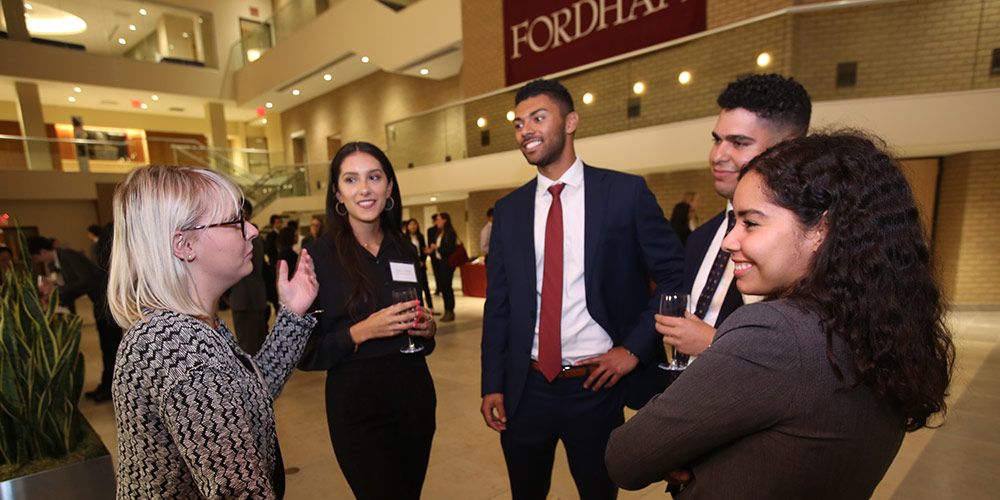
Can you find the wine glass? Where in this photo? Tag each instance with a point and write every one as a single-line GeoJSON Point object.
{"type": "Point", "coordinates": [674, 304]}
{"type": "Point", "coordinates": [407, 295]}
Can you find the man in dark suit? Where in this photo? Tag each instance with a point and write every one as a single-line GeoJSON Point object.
{"type": "Point", "coordinates": [569, 314]}
{"type": "Point", "coordinates": [758, 111]}
{"type": "Point", "coordinates": [432, 235]}
{"type": "Point", "coordinates": [248, 298]}
{"type": "Point", "coordinates": [78, 275]}
{"type": "Point", "coordinates": [271, 260]}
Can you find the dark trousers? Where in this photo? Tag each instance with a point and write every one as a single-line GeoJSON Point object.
{"type": "Point", "coordinates": [425, 286]}
{"type": "Point", "coordinates": [563, 410]}
{"type": "Point", "coordinates": [436, 269]}
{"type": "Point", "coordinates": [109, 335]}
{"type": "Point", "coordinates": [447, 293]}
{"type": "Point", "coordinates": [381, 417]}
{"type": "Point", "coordinates": [251, 329]}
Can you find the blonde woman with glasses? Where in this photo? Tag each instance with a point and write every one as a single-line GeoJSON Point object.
{"type": "Point", "coordinates": [194, 412]}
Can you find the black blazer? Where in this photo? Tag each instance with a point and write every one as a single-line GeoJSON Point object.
{"type": "Point", "coordinates": [627, 243]}
{"type": "Point", "coordinates": [422, 243]}
{"type": "Point", "coordinates": [81, 277]}
{"type": "Point", "coordinates": [696, 249]}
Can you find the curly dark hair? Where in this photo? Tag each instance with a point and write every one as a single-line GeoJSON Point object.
{"type": "Point", "coordinates": [782, 101]}
{"type": "Point", "coordinates": [341, 236]}
{"type": "Point", "coordinates": [871, 280]}
{"type": "Point", "coordinates": [551, 88]}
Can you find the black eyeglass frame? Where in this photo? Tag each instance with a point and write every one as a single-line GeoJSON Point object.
{"type": "Point", "coordinates": [242, 221]}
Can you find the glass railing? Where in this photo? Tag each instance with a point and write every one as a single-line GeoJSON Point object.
{"type": "Point", "coordinates": [143, 31]}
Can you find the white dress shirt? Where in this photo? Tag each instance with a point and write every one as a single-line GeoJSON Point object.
{"type": "Point", "coordinates": [727, 277]}
{"type": "Point", "coordinates": [484, 238]}
{"type": "Point", "coordinates": [581, 336]}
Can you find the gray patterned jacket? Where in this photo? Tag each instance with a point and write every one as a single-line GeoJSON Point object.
{"type": "Point", "coordinates": [194, 412]}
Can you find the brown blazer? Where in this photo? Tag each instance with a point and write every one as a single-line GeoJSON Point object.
{"type": "Point", "coordinates": [761, 415]}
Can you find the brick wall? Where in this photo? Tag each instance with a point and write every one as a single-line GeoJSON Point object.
{"type": "Point", "coordinates": [482, 47]}
{"type": "Point", "coordinates": [476, 206]}
{"type": "Point", "coordinates": [669, 188]}
{"type": "Point", "coordinates": [965, 238]}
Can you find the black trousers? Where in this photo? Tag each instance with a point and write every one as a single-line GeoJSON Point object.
{"type": "Point", "coordinates": [109, 335]}
{"type": "Point", "coordinates": [381, 418]}
{"type": "Point", "coordinates": [425, 286]}
{"type": "Point", "coordinates": [447, 292]}
{"type": "Point", "coordinates": [563, 410]}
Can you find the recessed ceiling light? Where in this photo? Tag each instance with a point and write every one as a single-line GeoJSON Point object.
{"type": "Point", "coordinates": [263, 121]}
{"type": "Point", "coordinates": [434, 198]}
{"type": "Point", "coordinates": [588, 98]}
{"type": "Point", "coordinates": [144, 106]}
{"type": "Point", "coordinates": [142, 12]}
{"type": "Point", "coordinates": [424, 71]}
{"type": "Point", "coordinates": [763, 59]}
{"type": "Point", "coordinates": [481, 122]}
{"type": "Point", "coordinates": [684, 77]}
{"type": "Point", "coordinates": [71, 99]}
{"type": "Point", "coordinates": [154, 97]}
{"type": "Point", "coordinates": [185, 34]}
{"type": "Point", "coordinates": [131, 27]}
{"type": "Point", "coordinates": [268, 104]}
{"type": "Point", "coordinates": [77, 90]}
{"type": "Point", "coordinates": [365, 59]}
{"type": "Point", "coordinates": [328, 77]}
{"type": "Point", "coordinates": [638, 88]}
{"type": "Point", "coordinates": [296, 92]}
{"type": "Point", "coordinates": [510, 116]}
{"type": "Point", "coordinates": [253, 55]}
{"type": "Point", "coordinates": [121, 41]}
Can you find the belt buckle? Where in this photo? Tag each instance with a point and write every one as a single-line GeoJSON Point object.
{"type": "Point", "coordinates": [566, 368]}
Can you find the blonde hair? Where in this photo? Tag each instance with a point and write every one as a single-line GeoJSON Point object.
{"type": "Point", "coordinates": [150, 206]}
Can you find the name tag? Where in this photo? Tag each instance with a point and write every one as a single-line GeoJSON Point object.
{"type": "Point", "coordinates": [403, 272]}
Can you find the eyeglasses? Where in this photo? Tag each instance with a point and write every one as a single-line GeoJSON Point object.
{"type": "Point", "coordinates": [241, 221]}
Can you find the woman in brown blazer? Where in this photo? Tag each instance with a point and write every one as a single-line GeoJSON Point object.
{"type": "Point", "coordinates": [809, 394]}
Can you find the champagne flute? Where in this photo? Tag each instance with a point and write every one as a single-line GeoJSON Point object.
{"type": "Point", "coordinates": [407, 295]}
{"type": "Point", "coordinates": [674, 304]}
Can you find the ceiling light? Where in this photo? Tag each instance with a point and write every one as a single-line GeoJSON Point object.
{"type": "Point", "coordinates": [638, 88]}
{"type": "Point", "coordinates": [434, 198]}
{"type": "Point", "coordinates": [510, 116]}
{"type": "Point", "coordinates": [253, 55]}
{"type": "Point", "coordinates": [185, 34]}
{"type": "Point", "coordinates": [121, 41]}
{"type": "Point", "coordinates": [424, 71]}
{"type": "Point", "coordinates": [71, 99]}
{"type": "Point", "coordinates": [588, 98]}
{"type": "Point", "coordinates": [45, 20]}
{"type": "Point", "coordinates": [131, 27]}
{"type": "Point", "coordinates": [154, 97]}
{"type": "Point", "coordinates": [269, 105]}
{"type": "Point", "coordinates": [296, 92]}
{"type": "Point", "coordinates": [684, 77]}
{"type": "Point", "coordinates": [481, 122]}
{"type": "Point", "coordinates": [365, 59]}
{"type": "Point", "coordinates": [77, 90]}
{"type": "Point", "coordinates": [763, 59]}
{"type": "Point", "coordinates": [142, 12]}
{"type": "Point", "coordinates": [263, 121]}
{"type": "Point", "coordinates": [144, 106]}
{"type": "Point", "coordinates": [27, 6]}
{"type": "Point", "coordinates": [327, 77]}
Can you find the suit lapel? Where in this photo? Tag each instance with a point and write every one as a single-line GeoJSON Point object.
{"type": "Point", "coordinates": [524, 229]}
{"type": "Point", "coordinates": [595, 194]}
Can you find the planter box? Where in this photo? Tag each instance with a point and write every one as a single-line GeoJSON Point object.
{"type": "Point", "coordinates": [92, 479]}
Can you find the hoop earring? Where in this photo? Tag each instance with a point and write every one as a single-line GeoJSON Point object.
{"type": "Point", "coordinates": [337, 207]}
{"type": "Point", "coordinates": [389, 205]}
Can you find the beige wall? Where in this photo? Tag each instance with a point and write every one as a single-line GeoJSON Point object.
{"type": "Point", "coordinates": [65, 220]}
{"type": "Point", "coordinates": [965, 239]}
{"type": "Point", "coordinates": [476, 205]}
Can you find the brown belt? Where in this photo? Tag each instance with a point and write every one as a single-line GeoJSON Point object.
{"type": "Point", "coordinates": [567, 371]}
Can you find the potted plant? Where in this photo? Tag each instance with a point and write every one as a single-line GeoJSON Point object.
{"type": "Point", "coordinates": [47, 449]}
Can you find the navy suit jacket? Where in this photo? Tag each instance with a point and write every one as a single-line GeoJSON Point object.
{"type": "Point", "coordinates": [697, 248]}
{"type": "Point", "coordinates": [627, 242]}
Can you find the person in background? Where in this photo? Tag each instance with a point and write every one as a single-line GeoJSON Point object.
{"type": "Point", "coordinates": [248, 297]}
{"type": "Point", "coordinates": [441, 249]}
{"type": "Point", "coordinates": [194, 412]}
{"type": "Point", "coordinates": [276, 223]}
{"type": "Point", "coordinates": [315, 230]}
{"type": "Point", "coordinates": [77, 276]}
{"type": "Point", "coordinates": [809, 393]}
{"type": "Point", "coordinates": [432, 234]}
{"type": "Point", "coordinates": [684, 217]}
{"type": "Point", "coordinates": [288, 237]}
{"type": "Point", "coordinates": [412, 233]}
{"type": "Point", "coordinates": [6, 258]}
{"type": "Point", "coordinates": [484, 234]}
{"type": "Point", "coordinates": [380, 402]}
{"type": "Point", "coordinates": [94, 235]}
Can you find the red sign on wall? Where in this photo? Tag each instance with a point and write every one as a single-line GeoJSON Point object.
{"type": "Point", "coordinates": [547, 36]}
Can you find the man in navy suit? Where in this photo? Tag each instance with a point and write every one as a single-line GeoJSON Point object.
{"type": "Point", "coordinates": [569, 313]}
{"type": "Point", "coordinates": [758, 111]}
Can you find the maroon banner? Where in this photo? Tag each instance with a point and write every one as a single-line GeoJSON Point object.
{"type": "Point", "coordinates": [547, 36]}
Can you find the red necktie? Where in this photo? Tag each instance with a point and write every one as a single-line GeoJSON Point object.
{"type": "Point", "coordinates": [550, 322]}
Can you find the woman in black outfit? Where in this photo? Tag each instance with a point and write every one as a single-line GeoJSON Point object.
{"type": "Point", "coordinates": [379, 402]}
{"type": "Point", "coordinates": [412, 233]}
{"type": "Point", "coordinates": [442, 248]}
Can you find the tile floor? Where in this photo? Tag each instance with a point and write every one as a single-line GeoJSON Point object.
{"type": "Point", "coordinates": [958, 460]}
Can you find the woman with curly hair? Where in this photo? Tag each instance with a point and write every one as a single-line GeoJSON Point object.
{"type": "Point", "coordinates": [808, 394]}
